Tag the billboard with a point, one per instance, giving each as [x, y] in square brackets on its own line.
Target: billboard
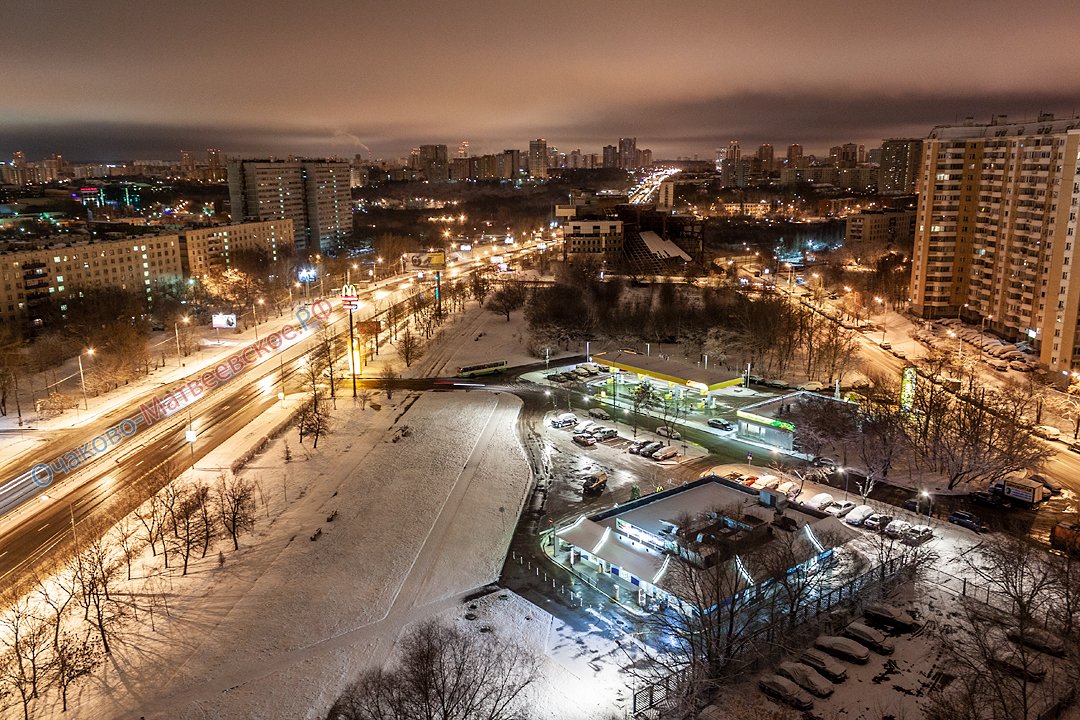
[435, 260]
[223, 321]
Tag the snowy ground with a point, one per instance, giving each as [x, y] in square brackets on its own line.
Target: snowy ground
[287, 622]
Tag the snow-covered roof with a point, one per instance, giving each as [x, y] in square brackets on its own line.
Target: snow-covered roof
[636, 558]
[661, 248]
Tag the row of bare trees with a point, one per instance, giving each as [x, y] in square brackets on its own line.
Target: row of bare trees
[1026, 600]
[766, 331]
[57, 627]
[971, 436]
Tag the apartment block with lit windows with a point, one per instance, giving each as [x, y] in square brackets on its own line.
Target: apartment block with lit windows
[204, 248]
[30, 278]
[996, 231]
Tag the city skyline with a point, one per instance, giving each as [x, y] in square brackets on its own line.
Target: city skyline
[121, 84]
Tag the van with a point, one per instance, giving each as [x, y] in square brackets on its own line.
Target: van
[665, 453]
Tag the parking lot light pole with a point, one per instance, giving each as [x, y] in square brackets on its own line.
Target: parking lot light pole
[930, 503]
[82, 378]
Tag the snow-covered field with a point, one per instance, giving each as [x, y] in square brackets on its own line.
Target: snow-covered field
[287, 622]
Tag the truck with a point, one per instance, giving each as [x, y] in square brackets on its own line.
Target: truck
[1020, 489]
[1065, 536]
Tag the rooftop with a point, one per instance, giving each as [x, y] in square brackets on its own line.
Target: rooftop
[679, 372]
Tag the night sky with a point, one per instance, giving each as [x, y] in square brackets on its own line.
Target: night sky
[141, 80]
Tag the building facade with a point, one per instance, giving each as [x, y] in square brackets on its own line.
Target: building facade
[314, 194]
[538, 158]
[893, 228]
[204, 248]
[996, 231]
[900, 162]
[32, 278]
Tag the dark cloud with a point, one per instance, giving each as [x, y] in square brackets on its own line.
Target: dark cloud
[816, 120]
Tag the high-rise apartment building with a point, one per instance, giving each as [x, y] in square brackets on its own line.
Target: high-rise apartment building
[314, 194]
[996, 231]
[627, 153]
[765, 156]
[794, 155]
[611, 156]
[538, 158]
[433, 162]
[900, 158]
[215, 246]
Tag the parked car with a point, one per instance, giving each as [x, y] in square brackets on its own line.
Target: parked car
[783, 690]
[885, 615]
[563, 422]
[885, 345]
[664, 453]
[858, 515]
[840, 508]
[897, 528]
[1052, 486]
[982, 497]
[599, 413]
[812, 386]
[967, 520]
[805, 677]
[1011, 662]
[665, 431]
[1048, 432]
[819, 501]
[1019, 366]
[604, 433]
[584, 439]
[649, 448]
[766, 482]
[1038, 639]
[824, 664]
[557, 377]
[788, 488]
[635, 447]
[843, 648]
[877, 522]
[871, 638]
[720, 424]
[822, 461]
[918, 534]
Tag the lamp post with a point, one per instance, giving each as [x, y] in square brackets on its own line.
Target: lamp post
[255, 318]
[82, 378]
[930, 503]
[982, 329]
[959, 347]
[176, 329]
[884, 317]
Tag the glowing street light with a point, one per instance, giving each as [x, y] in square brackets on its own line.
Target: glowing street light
[176, 329]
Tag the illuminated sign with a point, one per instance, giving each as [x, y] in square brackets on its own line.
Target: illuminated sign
[435, 260]
[760, 420]
[349, 299]
[223, 321]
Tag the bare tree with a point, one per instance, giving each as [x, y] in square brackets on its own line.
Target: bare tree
[443, 673]
[387, 378]
[185, 523]
[314, 419]
[74, 656]
[508, 298]
[410, 347]
[26, 637]
[236, 505]
[125, 534]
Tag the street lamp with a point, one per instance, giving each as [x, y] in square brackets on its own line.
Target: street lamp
[884, 317]
[959, 347]
[982, 329]
[176, 329]
[255, 318]
[82, 378]
[930, 503]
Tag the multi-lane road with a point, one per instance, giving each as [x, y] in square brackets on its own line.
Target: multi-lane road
[40, 520]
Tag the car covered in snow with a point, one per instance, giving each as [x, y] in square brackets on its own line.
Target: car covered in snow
[785, 691]
[858, 514]
[805, 677]
[886, 615]
[843, 648]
